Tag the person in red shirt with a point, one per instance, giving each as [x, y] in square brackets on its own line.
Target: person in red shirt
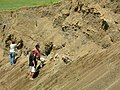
[37, 51]
[37, 54]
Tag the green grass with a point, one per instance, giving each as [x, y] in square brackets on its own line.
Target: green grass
[15, 4]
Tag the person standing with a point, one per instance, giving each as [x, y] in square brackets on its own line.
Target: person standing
[37, 53]
[32, 59]
[12, 52]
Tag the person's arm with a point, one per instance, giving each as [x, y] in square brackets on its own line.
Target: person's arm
[18, 44]
[33, 62]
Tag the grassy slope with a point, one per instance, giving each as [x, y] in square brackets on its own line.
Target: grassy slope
[15, 4]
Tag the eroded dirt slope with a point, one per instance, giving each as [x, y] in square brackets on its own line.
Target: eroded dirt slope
[87, 32]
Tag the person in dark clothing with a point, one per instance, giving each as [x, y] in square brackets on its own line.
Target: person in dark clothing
[104, 25]
[32, 63]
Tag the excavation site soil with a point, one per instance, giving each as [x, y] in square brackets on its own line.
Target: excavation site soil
[79, 39]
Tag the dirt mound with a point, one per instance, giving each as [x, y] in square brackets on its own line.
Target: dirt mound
[79, 38]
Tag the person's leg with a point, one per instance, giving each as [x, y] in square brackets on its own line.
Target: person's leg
[29, 72]
[12, 56]
[31, 75]
[32, 72]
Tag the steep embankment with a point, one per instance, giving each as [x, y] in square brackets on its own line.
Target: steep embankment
[92, 72]
[86, 32]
